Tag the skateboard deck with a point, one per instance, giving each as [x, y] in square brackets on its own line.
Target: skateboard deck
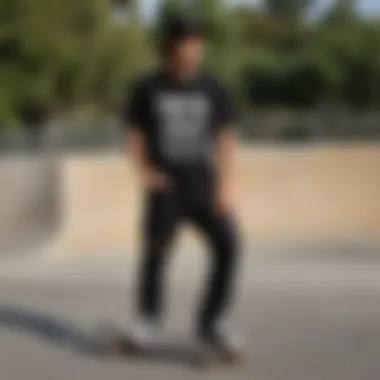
[205, 356]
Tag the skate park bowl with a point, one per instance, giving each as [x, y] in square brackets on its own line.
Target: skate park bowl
[76, 205]
[28, 202]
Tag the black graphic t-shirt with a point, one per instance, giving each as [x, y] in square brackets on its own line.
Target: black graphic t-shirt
[178, 119]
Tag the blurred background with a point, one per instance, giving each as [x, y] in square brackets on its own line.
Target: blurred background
[302, 70]
[306, 77]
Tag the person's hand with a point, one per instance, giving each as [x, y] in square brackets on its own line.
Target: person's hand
[224, 199]
[155, 180]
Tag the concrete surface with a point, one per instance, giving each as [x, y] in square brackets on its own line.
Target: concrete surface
[28, 202]
[285, 195]
[301, 320]
[88, 204]
[313, 317]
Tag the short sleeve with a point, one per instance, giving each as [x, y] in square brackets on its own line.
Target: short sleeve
[135, 107]
[225, 108]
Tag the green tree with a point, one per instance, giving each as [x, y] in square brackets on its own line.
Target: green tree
[288, 10]
[261, 79]
[59, 55]
[44, 46]
[224, 48]
[309, 78]
[341, 12]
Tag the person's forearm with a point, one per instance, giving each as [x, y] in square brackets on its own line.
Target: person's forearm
[137, 148]
[149, 176]
[225, 152]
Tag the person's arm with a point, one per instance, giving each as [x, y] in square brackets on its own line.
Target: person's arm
[149, 176]
[224, 165]
[137, 127]
[224, 162]
[226, 142]
[136, 146]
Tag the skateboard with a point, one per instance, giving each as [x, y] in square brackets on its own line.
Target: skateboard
[207, 356]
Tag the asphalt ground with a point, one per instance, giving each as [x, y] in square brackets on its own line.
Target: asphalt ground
[311, 319]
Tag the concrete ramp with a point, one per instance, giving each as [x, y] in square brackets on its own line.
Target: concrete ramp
[286, 196]
[28, 203]
[99, 206]
[88, 204]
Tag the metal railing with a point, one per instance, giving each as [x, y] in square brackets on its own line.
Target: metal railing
[273, 127]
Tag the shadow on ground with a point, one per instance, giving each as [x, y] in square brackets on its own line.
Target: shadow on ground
[50, 329]
[64, 334]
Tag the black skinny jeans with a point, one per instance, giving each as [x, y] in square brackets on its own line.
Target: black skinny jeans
[190, 197]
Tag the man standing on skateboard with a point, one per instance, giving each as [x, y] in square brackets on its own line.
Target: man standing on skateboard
[181, 137]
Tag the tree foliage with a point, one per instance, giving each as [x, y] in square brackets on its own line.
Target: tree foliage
[288, 10]
[58, 55]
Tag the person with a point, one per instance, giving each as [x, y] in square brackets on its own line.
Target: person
[181, 136]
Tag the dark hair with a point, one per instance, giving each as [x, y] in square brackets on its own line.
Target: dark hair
[178, 29]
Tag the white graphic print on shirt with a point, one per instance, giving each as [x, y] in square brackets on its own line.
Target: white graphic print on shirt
[183, 120]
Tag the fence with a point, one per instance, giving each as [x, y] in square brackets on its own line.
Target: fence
[281, 126]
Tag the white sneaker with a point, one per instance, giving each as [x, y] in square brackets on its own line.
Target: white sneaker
[224, 346]
[144, 332]
[223, 337]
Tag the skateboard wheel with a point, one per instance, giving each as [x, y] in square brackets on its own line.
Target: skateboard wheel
[120, 348]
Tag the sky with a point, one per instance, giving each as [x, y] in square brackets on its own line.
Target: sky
[149, 7]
